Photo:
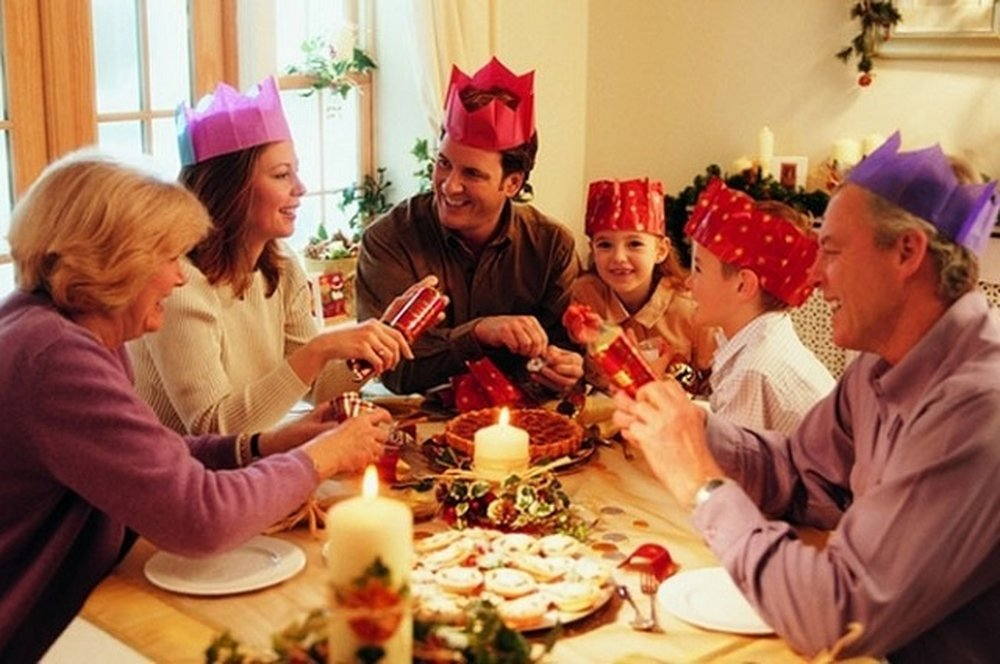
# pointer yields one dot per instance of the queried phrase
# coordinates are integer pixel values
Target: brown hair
(91, 232)
(222, 184)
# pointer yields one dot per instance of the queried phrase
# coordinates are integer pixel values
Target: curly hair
(222, 184)
(91, 231)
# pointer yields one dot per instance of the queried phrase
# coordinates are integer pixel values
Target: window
(79, 72)
(332, 135)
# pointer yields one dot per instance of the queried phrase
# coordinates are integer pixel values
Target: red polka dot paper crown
(495, 126)
(226, 121)
(728, 223)
(625, 205)
(923, 183)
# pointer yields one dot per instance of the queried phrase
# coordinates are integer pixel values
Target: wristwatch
(705, 492)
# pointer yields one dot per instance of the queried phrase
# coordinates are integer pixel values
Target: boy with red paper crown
(751, 265)
(636, 281)
(506, 268)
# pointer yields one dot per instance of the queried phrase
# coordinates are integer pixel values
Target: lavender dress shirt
(900, 463)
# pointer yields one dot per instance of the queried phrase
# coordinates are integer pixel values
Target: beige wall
(662, 88)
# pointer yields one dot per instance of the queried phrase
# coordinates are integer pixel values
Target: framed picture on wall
(956, 29)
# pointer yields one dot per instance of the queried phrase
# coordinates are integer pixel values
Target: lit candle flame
(504, 418)
(369, 484)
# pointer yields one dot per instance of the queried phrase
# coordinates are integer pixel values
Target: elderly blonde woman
(84, 462)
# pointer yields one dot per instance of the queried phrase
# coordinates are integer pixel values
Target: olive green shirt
(527, 268)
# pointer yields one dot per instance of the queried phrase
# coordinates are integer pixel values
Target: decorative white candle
(846, 152)
(367, 608)
(765, 149)
(870, 143)
(500, 449)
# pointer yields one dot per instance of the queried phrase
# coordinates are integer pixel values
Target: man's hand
(563, 369)
(521, 335)
(670, 431)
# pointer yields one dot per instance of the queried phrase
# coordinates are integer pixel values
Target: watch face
(705, 492)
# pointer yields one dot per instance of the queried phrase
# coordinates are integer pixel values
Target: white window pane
(169, 55)
(116, 55)
(6, 279)
(165, 146)
(299, 20)
(303, 115)
(6, 191)
(123, 138)
(341, 144)
(306, 222)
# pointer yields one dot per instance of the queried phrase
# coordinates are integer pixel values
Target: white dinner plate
(261, 562)
(708, 598)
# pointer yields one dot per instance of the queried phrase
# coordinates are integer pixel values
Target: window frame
(50, 79)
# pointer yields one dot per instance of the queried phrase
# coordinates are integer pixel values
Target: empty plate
(708, 598)
(261, 562)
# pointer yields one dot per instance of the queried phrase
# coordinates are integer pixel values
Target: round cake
(550, 434)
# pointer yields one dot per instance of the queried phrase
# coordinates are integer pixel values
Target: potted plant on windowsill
(334, 256)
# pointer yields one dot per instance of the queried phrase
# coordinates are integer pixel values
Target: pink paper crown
(728, 223)
(495, 126)
(625, 205)
(923, 183)
(226, 121)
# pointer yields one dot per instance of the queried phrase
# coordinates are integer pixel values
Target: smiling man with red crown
(505, 266)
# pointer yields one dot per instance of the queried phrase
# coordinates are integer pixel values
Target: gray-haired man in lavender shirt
(899, 462)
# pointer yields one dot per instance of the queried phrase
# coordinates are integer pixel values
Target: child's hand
(582, 324)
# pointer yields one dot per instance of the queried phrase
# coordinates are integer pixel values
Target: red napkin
(655, 557)
(485, 386)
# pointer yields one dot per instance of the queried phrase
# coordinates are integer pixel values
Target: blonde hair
(91, 231)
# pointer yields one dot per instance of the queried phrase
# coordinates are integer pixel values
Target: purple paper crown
(226, 121)
(923, 183)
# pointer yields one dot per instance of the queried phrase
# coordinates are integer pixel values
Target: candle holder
(375, 612)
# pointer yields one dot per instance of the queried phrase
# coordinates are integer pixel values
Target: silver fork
(639, 622)
(649, 585)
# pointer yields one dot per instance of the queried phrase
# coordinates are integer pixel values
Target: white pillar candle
(871, 142)
(846, 152)
(765, 150)
(362, 530)
(500, 449)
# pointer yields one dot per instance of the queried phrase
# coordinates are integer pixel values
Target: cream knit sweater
(218, 363)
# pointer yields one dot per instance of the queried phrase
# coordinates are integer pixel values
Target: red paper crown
(227, 121)
(495, 126)
(728, 223)
(625, 205)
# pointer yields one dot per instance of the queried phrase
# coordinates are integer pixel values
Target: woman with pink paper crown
(240, 346)
(506, 267)
(635, 279)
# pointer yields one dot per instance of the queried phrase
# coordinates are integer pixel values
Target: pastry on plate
(524, 612)
(509, 583)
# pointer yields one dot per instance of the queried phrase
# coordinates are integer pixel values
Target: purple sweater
(84, 461)
(901, 463)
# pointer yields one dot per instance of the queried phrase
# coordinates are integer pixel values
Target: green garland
(678, 208)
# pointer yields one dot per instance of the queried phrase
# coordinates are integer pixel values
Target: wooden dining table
(627, 505)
